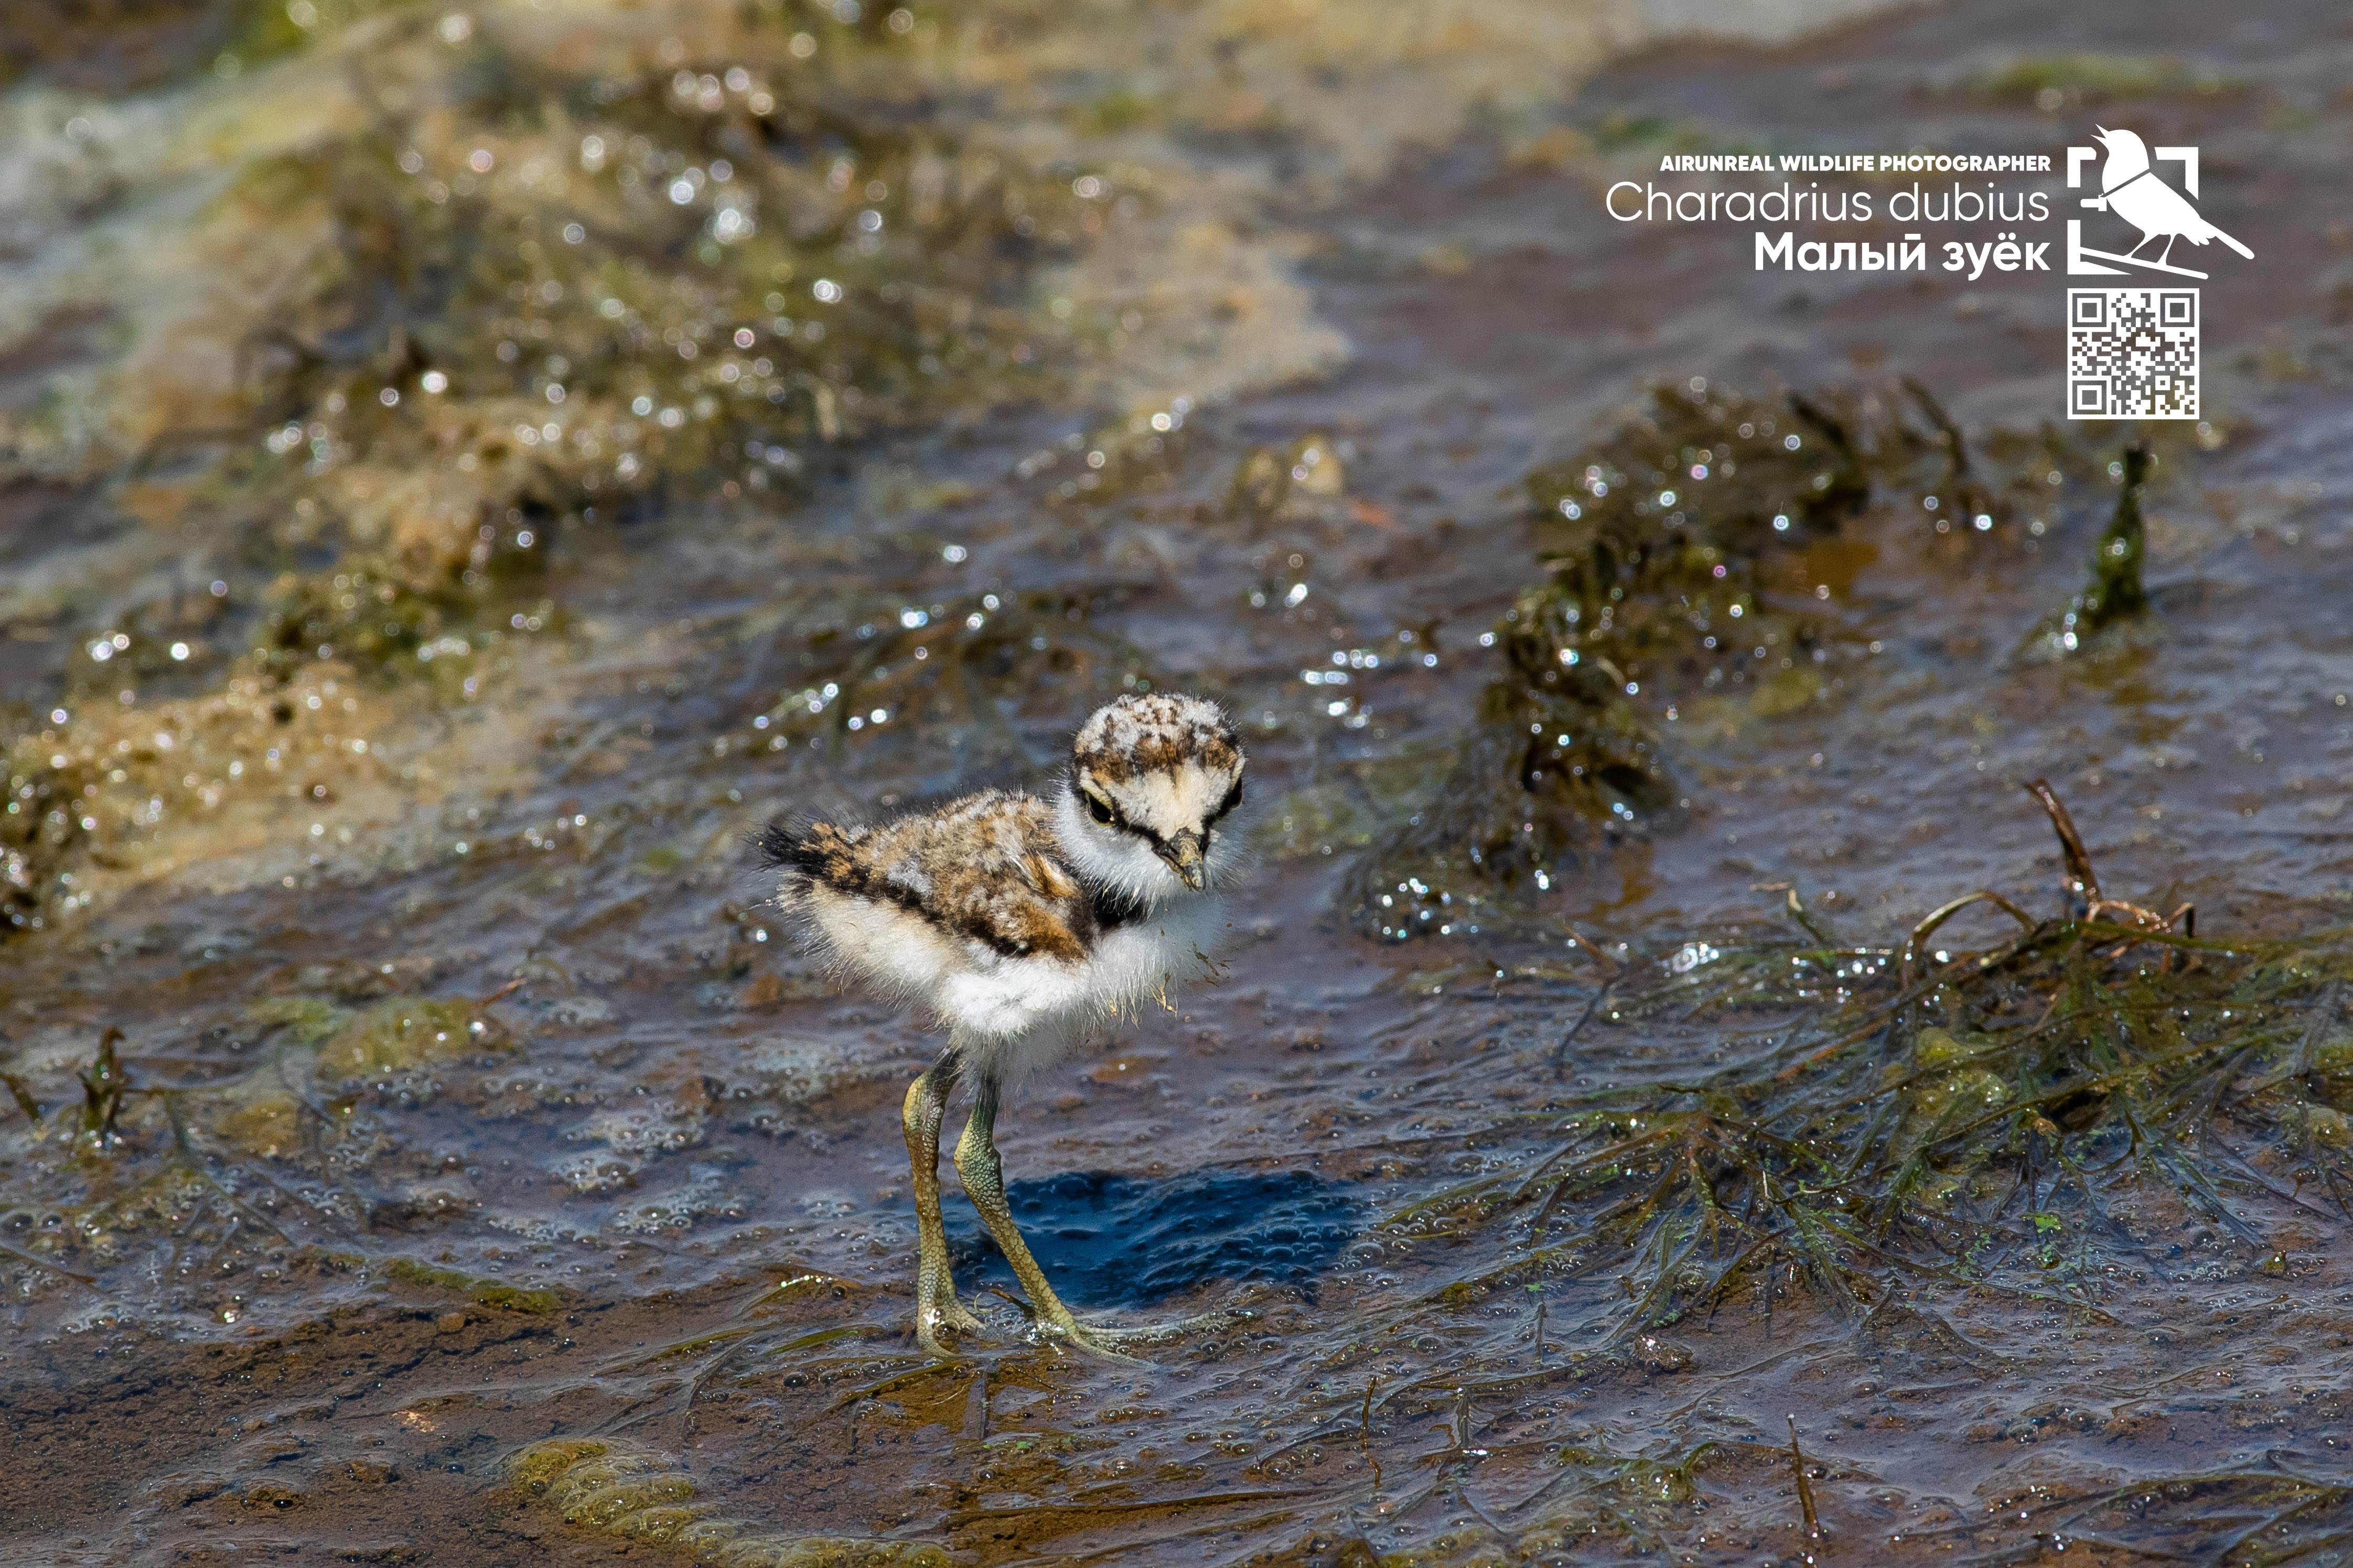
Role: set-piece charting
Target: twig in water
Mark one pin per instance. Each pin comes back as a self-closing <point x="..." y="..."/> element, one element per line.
<point x="1593" y="1006"/>
<point x="104" y="1085"/>
<point x="1806" y="918"/>
<point x="1936" y="917"/>
<point x="2083" y="883"/>
<point x="1805" y="1487"/>
<point x="1610" y="967"/>
<point x="39" y="1262"/>
<point x="22" y="1096"/>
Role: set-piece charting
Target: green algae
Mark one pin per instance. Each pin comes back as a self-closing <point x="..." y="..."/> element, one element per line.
<point x="118" y="48"/>
<point x="1656" y="544"/>
<point x="2085" y="78"/>
<point x="495" y="1293"/>
<point x="1286" y="483"/>
<point x="971" y="663"/>
<point x="621" y="1490"/>
<point x="266" y="1125"/>
<point x="308" y="1020"/>
<point x="578" y="277"/>
<point x="36" y="833"/>
<point x="384" y="627"/>
<point x="576" y="281"/>
<point x="406" y="1033"/>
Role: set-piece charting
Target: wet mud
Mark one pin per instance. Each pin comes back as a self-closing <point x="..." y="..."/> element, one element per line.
<point x="1787" y="1138"/>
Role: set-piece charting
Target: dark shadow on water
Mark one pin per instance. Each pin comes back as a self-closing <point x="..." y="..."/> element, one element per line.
<point x="1118" y="1241"/>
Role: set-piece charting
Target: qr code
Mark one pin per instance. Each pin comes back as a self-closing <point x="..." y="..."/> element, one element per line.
<point x="2132" y="353"/>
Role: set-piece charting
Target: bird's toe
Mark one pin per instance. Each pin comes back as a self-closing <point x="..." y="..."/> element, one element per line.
<point x="943" y="1327"/>
<point x="1124" y="1342"/>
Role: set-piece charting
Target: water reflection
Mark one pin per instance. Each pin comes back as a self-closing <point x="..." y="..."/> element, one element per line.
<point x="1109" y="1240"/>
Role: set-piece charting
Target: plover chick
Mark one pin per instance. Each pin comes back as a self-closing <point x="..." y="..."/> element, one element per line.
<point x="1019" y="922"/>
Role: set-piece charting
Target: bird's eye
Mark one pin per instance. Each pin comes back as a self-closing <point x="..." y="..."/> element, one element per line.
<point x="1100" y="809"/>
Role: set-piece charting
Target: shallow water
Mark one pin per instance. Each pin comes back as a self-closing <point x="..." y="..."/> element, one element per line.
<point x="479" y="1102"/>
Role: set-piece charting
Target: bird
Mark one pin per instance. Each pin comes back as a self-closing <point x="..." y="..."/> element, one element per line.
<point x="2131" y="188"/>
<point x="1017" y="922"/>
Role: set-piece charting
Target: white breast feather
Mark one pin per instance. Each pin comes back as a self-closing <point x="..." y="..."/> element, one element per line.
<point x="1017" y="1015"/>
<point x="901" y="954"/>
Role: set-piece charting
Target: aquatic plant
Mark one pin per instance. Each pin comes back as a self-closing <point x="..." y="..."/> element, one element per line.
<point x="2115" y="593"/>
<point x="211" y="1157"/>
<point x="1917" y="1114"/>
<point x="1656" y="541"/>
<point x="103" y="1084"/>
<point x="2264" y="1515"/>
<point x="975" y="663"/>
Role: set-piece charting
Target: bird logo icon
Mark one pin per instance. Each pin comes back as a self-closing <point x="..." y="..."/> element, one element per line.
<point x="2131" y="188"/>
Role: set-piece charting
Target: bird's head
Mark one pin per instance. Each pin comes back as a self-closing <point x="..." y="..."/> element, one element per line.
<point x="1153" y="787"/>
<point x="2124" y="147"/>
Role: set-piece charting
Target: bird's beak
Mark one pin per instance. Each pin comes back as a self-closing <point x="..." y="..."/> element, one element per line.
<point x="1183" y="853"/>
<point x="2100" y="134"/>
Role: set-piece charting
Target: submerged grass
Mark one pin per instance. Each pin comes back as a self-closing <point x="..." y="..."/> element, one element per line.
<point x="2011" y="1117"/>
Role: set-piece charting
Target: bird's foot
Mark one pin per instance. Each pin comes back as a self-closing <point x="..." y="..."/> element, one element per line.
<point x="1121" y="1342"/>
<point x="941" y="1326"/>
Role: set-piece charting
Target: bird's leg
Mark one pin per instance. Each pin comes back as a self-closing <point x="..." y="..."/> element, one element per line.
<point x="2166" y="254"/>
<point x="984" y="1181"/>
<point x="936" y="1307"/>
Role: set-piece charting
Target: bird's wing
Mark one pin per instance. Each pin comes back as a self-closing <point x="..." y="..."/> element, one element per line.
<point x="986" y="870"/>
<point x="2155" y="207"/>
<point x="2194" y="226"/>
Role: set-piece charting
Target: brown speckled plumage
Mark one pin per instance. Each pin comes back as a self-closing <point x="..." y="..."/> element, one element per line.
<point x="1144" y="734"/>
<point x="986" y="868"/>
<point x="1019" y="923"/>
